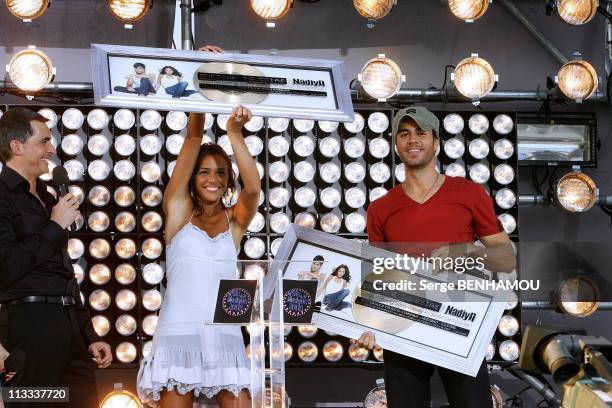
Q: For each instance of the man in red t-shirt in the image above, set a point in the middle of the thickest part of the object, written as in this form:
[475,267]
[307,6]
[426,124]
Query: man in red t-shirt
[431,208]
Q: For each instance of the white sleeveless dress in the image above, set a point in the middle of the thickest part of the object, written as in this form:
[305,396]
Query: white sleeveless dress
[188,355]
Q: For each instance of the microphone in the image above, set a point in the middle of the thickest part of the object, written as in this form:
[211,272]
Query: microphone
[61,182]
[13,363]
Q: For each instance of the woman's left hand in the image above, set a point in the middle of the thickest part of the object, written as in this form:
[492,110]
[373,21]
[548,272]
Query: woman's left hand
[211,48]
[240,115]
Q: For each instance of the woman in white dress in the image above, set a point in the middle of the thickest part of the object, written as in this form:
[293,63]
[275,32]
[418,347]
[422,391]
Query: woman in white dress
[190,360]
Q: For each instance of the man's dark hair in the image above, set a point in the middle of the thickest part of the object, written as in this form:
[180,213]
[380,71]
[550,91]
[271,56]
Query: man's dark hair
[139,64]
[15,125]
[318,258]
[408,119]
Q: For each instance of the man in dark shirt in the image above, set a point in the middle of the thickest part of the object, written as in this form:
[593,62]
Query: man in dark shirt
[42,313]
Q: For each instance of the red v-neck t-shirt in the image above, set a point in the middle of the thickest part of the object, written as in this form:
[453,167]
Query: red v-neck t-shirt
[460,211]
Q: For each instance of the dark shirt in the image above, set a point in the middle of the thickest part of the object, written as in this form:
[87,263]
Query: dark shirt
[33,249]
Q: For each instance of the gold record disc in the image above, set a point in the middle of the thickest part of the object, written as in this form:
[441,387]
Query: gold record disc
[233,96]
[378,319]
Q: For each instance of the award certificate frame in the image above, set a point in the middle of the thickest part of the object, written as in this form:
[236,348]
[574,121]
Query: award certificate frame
[198,81]
[449,329]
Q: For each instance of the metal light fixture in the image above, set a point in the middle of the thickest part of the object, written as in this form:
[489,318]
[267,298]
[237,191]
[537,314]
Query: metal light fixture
[129,11]
[30,70]
[27,10]
[575,192]
[125,325]
[577,79]
[373,9]
[381,78]
[271,9]
[577,12]
[468,10]
[308,351]
[578,297]
[125,274]
[378,122]
[474,78]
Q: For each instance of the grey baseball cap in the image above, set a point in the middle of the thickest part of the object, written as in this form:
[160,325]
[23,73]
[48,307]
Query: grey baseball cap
[422,116]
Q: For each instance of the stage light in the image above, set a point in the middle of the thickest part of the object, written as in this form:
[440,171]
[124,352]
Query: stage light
[329,172]
[170,168]
[222,121]
[505,198]
[125,325]
[275,245]
[121,398]
[278,172]
[176,120]
[151,300]
[455,170]
[101,325]
[79,274]
[474,77]
[308,330]
[354,172]
[453,123]
[306,220]
[490,352]
[378,354]
[76,248]
[124,170]
[381,78]
[125,274]
[77,192]
[479,149]
[225,144]
[98,221]
[98,145]
[513,301]
[379,148]
[149,323]
[124,119]
[254,248]
[253,272]
[125,145]
[373,9]
[72,145]
[27,10]
[509,350]
[355,222]
[287,351]
[577,79]
[150,144]
[125,222]
[98,170]
[278,125]
[99,300]
[75,169]
[508,222]
[124,196]
[152,248]
[209,121]
[508,326]
[503,174]
[254,145]
[333,351]
[378,122]
[271,9]
[468,10]
[279,197]
[503,149]
[355,197]
[150,119]
[72,118]
[30,70]
[304,197]
[152,273]
[575,192]
[330,197]
[577,12]
[356,125]
[152,196]
[303,171]
[357,353]
[125,248]
[257,223]
[578,297]
[129,11]
[376,193]
[152,221]
[400,173]
[329,146]
[330,223]
[304,146]
[50,115]
[328,126]
[454,148]
[503,124]
[97,119]
[354,147]
[125,299]
[279,222]
[174,143]
[303,125]
[255,124]
[478,124]
[151,172]
[380,172]
[278,146]
[308,352]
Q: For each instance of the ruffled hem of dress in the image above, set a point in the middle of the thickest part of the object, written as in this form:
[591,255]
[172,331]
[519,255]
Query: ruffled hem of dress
[152,396]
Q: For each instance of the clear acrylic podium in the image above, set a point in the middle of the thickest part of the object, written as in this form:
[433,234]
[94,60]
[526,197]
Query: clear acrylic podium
[266,348]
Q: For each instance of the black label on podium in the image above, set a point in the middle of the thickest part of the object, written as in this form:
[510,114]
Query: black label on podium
[298,300]
[235,301]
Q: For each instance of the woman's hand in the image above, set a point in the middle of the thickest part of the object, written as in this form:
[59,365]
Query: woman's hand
[240,115]
[211,48]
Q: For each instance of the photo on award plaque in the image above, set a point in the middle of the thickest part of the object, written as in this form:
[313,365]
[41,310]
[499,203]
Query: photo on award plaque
[410,311]
[198,81]
[235,301]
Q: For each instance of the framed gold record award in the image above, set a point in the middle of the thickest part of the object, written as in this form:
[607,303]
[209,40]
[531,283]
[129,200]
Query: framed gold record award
[197,81]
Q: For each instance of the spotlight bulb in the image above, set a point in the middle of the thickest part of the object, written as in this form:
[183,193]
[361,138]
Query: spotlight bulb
[468,10]
[381,78]
[30,70]
[474,77]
